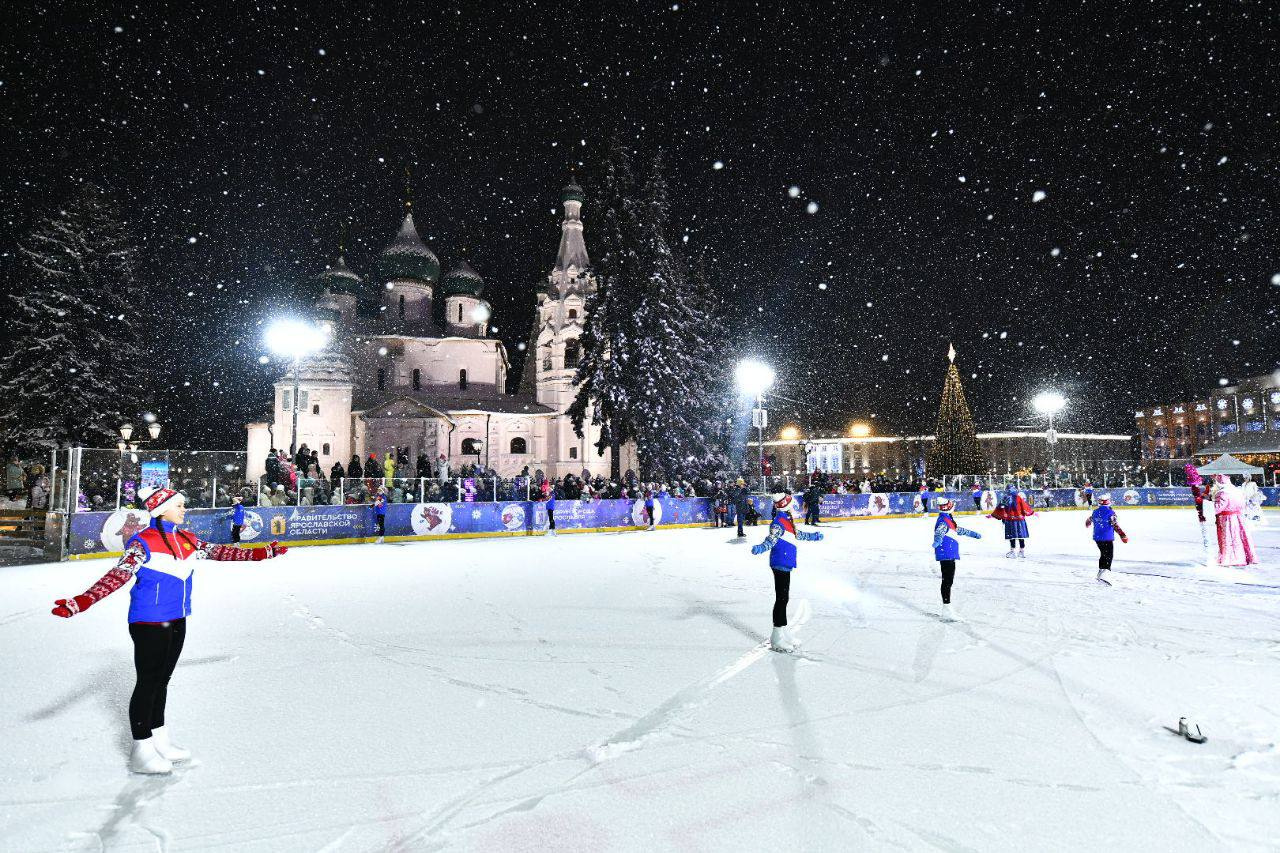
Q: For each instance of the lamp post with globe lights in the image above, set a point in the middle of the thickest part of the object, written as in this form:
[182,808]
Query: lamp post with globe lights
[1050,403]
[295,339]
[754,378]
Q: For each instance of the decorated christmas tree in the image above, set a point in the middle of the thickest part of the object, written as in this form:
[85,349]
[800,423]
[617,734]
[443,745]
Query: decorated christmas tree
[955,449]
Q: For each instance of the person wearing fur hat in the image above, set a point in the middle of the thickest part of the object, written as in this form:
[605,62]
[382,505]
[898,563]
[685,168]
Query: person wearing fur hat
[1105,527]
[946,550]
[160,602]
[781,545]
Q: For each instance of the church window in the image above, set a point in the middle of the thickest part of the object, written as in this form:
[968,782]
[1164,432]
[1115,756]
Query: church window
[571,353]
[417,379]
[573,453]
[402,306]
[287,401]
[470,447]
[462,379]
[324,449]
[315,409]
[302,399]
[519,445]
[382,379]
[573,313]
[546,363]
[459,312]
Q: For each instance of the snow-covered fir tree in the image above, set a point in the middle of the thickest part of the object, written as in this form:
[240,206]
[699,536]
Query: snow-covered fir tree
[72,376]
[607,361]
[650,370]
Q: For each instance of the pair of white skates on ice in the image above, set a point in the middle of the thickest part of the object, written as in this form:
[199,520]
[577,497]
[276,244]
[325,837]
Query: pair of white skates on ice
[1020,553]
[782,641]
[156,755]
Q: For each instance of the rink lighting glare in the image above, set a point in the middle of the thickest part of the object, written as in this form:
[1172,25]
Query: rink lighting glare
[480,314]
[789,433]
[860,430]
[295,338]
[1049,402]
[754,377]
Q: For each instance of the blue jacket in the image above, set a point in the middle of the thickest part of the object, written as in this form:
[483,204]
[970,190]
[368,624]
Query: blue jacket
[237,515]
[1104,524]
[781,542]
[380,505]
[162,591]
[551,502]
[946,533]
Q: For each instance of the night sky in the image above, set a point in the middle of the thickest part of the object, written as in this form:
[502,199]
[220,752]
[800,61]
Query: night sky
[1083,199]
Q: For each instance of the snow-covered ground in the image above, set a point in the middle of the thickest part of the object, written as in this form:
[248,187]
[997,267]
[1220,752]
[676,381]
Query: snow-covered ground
[613,692]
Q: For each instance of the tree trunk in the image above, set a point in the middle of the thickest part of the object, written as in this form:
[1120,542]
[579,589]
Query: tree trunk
[615,461]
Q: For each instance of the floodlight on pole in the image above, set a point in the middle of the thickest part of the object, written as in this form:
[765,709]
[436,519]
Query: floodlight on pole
[295,339]
[1050,403]
[755,377]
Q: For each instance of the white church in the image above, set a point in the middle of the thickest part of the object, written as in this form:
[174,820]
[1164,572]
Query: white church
[394,380]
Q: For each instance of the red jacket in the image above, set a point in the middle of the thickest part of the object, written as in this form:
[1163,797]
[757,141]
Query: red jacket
[1019,511]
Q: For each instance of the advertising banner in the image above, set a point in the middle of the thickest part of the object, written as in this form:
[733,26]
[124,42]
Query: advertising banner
[103,532]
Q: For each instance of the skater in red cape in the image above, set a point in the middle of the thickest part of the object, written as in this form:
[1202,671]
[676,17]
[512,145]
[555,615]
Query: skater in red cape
[1014,512]
[160,560]
[1234,547]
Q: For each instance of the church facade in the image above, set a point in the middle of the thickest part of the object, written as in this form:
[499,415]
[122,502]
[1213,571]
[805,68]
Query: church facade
[411,369]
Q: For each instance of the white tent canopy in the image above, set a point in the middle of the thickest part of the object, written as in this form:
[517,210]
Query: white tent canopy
[1228,464]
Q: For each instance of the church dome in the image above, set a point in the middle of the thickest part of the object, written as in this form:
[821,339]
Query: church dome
[408,256]
[338,277]
[463,281]
[571,192]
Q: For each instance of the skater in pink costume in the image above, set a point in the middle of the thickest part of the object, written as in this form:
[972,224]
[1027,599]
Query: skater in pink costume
[1234,548]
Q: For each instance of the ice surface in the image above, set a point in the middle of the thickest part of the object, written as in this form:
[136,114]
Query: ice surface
[612,692]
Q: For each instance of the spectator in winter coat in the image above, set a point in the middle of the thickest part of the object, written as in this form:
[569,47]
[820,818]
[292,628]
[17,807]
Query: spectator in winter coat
[371,468]
[354,468]
[273,467]
[739,498]
[812,503]
[336,473]
[389,468]
[422,467]
[303,458]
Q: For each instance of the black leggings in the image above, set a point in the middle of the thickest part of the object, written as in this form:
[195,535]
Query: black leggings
[1022,543]
[1105,551]
[948,575]
[155,653]
[381,522]
[781,595]
[551,519]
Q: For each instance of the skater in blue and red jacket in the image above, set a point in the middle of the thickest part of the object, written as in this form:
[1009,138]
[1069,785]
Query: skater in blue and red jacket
[946,549]
[781,545]
[380,512]
[1105,527]
[161,561]
[1014,512]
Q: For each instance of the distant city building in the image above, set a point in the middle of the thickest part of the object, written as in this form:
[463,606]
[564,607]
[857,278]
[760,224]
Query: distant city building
[863,454]
[1241,419]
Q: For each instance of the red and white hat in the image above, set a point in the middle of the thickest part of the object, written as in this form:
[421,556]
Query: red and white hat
[1104,499]
[946,504]
[157,500]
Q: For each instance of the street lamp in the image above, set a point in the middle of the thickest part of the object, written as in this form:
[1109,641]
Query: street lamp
[1050,403]
[295,339]
[754,378]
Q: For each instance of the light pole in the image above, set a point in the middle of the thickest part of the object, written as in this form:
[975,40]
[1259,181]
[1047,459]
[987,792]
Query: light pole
[1050,403]
[295,339]
[128,443]
[754,378]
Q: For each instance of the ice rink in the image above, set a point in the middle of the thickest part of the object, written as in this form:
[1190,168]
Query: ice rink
[614,692]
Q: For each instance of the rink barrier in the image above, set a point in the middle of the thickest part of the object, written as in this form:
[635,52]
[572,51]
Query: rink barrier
[102,534]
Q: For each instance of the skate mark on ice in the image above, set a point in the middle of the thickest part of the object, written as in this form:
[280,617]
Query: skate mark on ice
[660,719]
[130,810]
[385,652]
[18,616]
